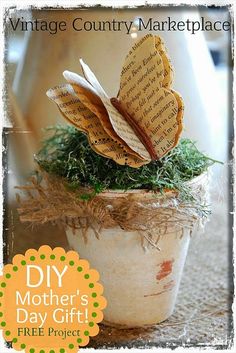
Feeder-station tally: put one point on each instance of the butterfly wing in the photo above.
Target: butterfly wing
(119, 124)
(154, 107)
(179, 117)
(168, 69)
(75, 112)
(91, 99)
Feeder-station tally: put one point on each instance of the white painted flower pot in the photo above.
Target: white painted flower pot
(140, 286)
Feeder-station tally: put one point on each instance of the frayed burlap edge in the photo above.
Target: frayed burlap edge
(50, 200)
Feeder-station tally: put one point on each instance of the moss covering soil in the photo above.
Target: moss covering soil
(66, 153)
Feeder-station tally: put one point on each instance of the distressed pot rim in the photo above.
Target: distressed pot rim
(200, 179)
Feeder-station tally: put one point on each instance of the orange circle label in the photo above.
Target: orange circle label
(50, 301)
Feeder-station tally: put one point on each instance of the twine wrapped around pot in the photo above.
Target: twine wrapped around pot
(136, 210)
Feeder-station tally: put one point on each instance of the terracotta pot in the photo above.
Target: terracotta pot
(140, 286)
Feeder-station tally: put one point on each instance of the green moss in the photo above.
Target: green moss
(66, 153)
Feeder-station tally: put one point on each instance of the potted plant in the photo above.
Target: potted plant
(133, 225)
(127, 191)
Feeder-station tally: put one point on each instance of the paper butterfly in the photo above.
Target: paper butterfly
(143, 123)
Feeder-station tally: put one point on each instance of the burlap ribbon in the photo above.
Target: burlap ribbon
(138, 210)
